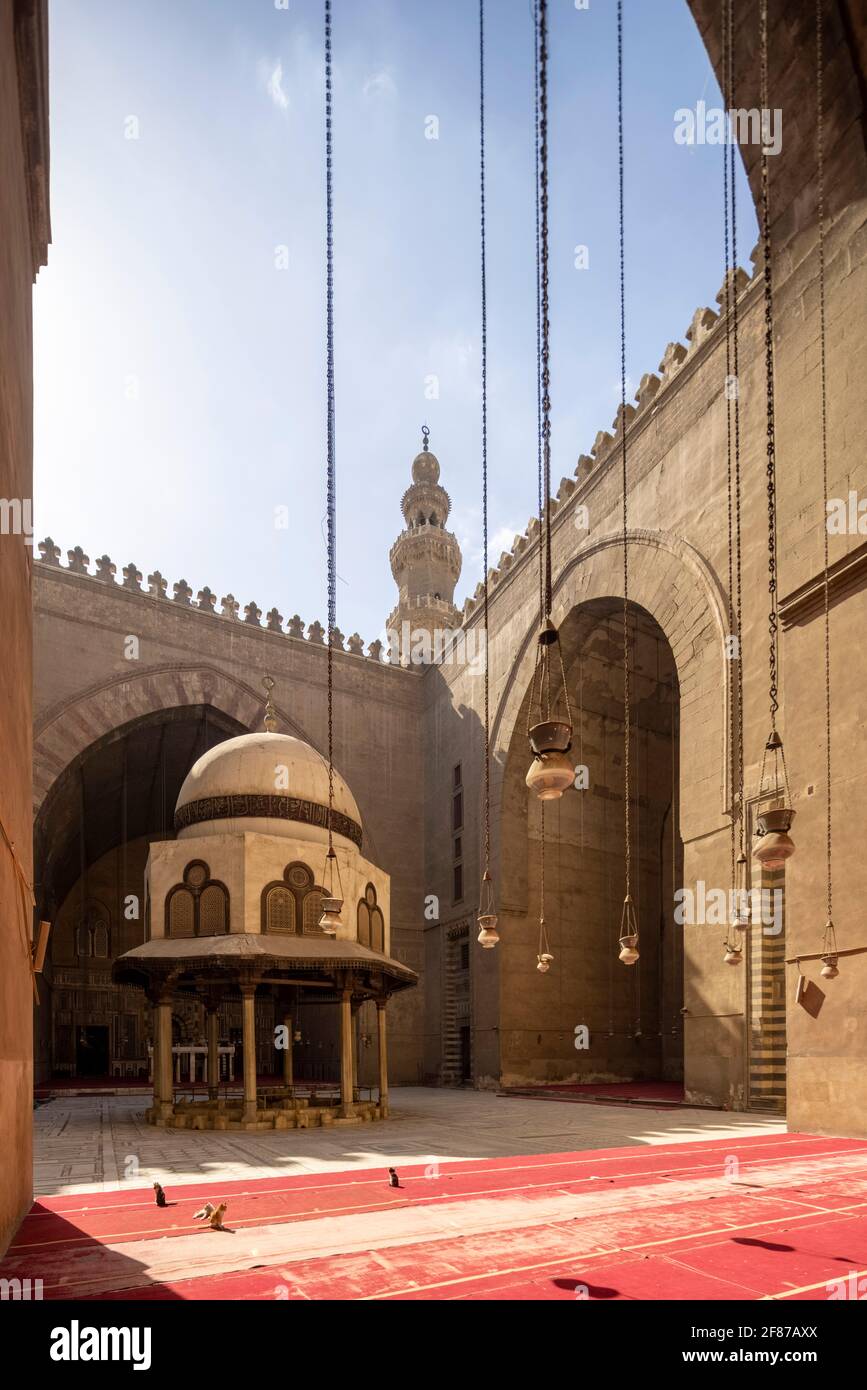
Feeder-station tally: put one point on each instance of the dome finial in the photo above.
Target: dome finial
(425, 436)
(270, 711)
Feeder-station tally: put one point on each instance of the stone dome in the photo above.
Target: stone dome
(267, 783)
(425, 467)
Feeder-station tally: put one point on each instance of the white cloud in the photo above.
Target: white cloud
(379, 84)
(274, 87)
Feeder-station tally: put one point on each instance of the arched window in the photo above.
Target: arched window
(363, 924)
(312, 912)
(292, 905)
(182, 912)
(199, 906)
(213, 910)
(377, 930)
(280, 910)
(92, 936)
(371, 924)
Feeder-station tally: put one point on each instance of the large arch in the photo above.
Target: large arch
(74, 725)
(671, 581)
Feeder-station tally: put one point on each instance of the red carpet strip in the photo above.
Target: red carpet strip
(785, 1220)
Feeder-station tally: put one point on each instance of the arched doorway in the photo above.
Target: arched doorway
(91, 842)
(632, 1016)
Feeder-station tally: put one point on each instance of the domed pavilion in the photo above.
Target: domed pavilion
(234, 908)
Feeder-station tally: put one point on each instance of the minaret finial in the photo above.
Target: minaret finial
(425, 436)
(270, 711)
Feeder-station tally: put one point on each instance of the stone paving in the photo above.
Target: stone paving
(102, 1143)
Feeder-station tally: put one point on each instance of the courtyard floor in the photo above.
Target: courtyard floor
(500, 1199)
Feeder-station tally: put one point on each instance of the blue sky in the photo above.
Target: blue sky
(180, 394)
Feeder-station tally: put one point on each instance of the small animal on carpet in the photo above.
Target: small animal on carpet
(160, 1195)
(393, 1179)
(213, 1215)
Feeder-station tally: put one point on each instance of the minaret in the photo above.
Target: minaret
(426, 564)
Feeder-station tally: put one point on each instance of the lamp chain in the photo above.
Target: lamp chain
(769, 379)
(330, 417)
(627, 702)
(820, 163)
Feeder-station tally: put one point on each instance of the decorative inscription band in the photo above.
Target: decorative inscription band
(272, 807)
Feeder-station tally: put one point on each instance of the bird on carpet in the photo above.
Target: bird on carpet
(160, 1195)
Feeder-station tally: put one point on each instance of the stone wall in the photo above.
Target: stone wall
(87, 687)
(24, 235)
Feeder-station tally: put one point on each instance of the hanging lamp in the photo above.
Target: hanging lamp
(741, 919)
(628, 953)
(773, 844)
(549, 720)
(487, 916)
(332, 902)
(549, 717)
(628, 933)
(830, 958)
(544, 958)
(738, 917)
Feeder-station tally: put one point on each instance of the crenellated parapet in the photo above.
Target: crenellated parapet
(203, 601)
(702, 331)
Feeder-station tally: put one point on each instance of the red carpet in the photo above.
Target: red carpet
(779, 1216)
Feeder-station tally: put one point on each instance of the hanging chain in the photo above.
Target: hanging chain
(539, 449)
(769, 377)
(737, 432)
(627, 702)
(729, 291)
(733, 431)
(484, 282)
(820, 163)
(543, 931)
(330, 419)
(543, 273)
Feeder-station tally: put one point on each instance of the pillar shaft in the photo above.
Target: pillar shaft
(163, 1086)
(213, 1054)
(287, 1055)
(248, 1026)
(383, 1056)
(355, 1047)
(346, 1054)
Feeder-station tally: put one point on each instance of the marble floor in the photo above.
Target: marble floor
(102, 1143)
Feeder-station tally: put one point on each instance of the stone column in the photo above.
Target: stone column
(355, 1049)
(163, 1088)
(287, 1055)
(346, 1049)
(383, 1057)
(213, 1033)
(248, 1033)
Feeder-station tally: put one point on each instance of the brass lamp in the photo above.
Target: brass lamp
(488, 934)
(549, 720)
(331, 921)
(774, 844)
(628, 933)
